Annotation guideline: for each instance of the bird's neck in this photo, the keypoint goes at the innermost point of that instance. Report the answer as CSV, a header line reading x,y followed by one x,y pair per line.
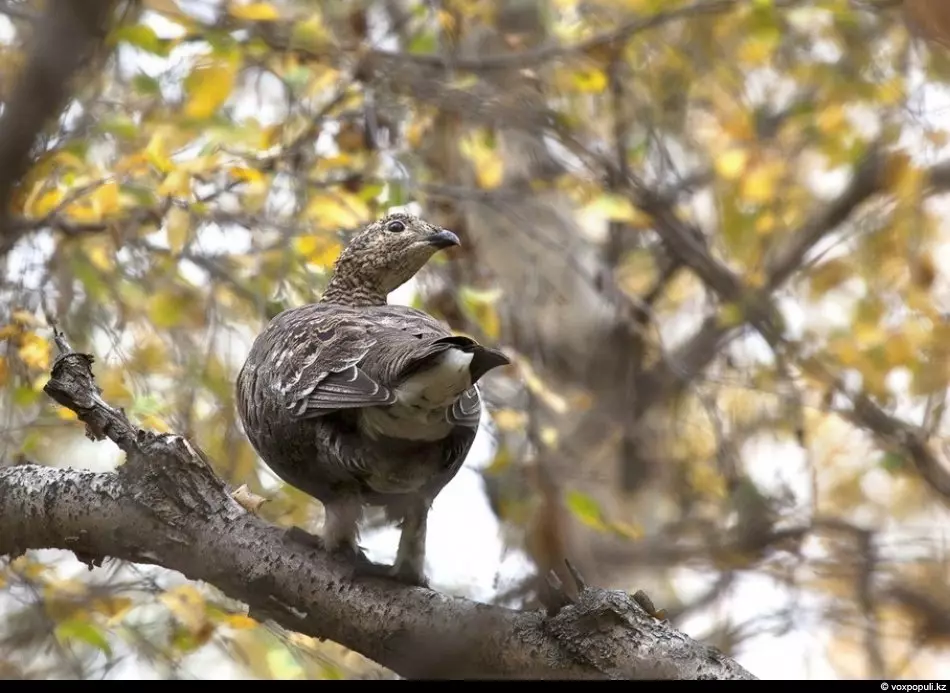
x,y
349,290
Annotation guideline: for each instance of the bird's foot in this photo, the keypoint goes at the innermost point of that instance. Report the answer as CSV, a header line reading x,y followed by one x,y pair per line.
x,y
303,537
363,567
408,575
356,558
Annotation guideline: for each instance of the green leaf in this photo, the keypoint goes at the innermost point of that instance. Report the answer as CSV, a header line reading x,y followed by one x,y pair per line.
x,y
586,509
892,462
25,396
83,631
141,36
119,125
396,194
283,666
144,84
423,43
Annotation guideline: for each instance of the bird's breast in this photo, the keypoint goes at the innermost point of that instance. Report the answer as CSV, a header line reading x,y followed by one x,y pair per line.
x,y
422,401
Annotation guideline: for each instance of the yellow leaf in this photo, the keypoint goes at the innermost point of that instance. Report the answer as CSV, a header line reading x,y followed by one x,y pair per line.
x,y
178,228
891,92
705,479
177,184
829,275
904,178
156,153
627,530
489,167
105,199
24,317
730,315
35,351
240,622
590,81
336,211
309,34
831,119
43,204
618,208
638,271
248,175
209,86
318,250
480,305
255,12
283,666
114,608
4,371
201,164
100,256
155,423
69,160
509,419
187,606
175,307
758,185
66,414
732,164
898,350
82,212
758,50
552,399
113,386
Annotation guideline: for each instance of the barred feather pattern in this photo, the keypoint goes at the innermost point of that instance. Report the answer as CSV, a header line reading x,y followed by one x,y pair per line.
x,y
312,370
356,402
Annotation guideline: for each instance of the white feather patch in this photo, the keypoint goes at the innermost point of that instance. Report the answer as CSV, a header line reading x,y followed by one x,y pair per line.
x,y
421,401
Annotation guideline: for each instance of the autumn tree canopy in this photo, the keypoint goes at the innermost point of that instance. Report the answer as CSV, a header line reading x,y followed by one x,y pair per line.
x,y
709,234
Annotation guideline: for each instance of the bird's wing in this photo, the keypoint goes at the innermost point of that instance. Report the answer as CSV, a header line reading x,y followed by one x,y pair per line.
x,y
315,358
326,358
329,358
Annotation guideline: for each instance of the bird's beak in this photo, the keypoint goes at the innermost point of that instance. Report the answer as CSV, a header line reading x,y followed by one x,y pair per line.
x,y
443,239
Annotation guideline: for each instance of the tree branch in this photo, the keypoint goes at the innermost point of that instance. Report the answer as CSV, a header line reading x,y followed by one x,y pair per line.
x,y
165,506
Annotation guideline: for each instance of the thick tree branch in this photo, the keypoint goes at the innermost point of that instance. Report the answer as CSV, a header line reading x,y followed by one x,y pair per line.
x,y
64,38
165,506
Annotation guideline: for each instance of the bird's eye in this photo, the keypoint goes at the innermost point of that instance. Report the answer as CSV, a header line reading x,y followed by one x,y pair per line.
x,y
395,227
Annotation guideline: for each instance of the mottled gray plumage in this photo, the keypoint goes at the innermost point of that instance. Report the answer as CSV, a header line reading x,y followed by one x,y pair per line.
x,y
357,402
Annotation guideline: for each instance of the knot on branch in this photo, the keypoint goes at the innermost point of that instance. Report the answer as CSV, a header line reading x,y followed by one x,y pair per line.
x,y
166,472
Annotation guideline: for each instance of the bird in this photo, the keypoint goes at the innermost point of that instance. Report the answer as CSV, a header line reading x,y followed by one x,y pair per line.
x,y
359,403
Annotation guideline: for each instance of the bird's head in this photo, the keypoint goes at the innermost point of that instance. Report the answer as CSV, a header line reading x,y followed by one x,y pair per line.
x,y
386,254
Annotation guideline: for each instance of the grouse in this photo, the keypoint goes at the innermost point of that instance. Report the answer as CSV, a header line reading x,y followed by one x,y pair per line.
x,y
356,402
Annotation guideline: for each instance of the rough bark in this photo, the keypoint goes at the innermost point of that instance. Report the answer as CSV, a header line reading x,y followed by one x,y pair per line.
x,y
165,506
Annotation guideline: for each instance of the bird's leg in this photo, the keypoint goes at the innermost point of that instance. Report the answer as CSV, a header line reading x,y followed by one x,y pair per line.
x,y
410,557
341,534
341,529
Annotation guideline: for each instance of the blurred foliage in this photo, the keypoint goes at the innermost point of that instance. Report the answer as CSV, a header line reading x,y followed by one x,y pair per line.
x,y
209,170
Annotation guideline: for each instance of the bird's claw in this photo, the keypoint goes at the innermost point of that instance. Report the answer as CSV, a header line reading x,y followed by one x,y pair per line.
x,y
362,566
408,576
303,537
